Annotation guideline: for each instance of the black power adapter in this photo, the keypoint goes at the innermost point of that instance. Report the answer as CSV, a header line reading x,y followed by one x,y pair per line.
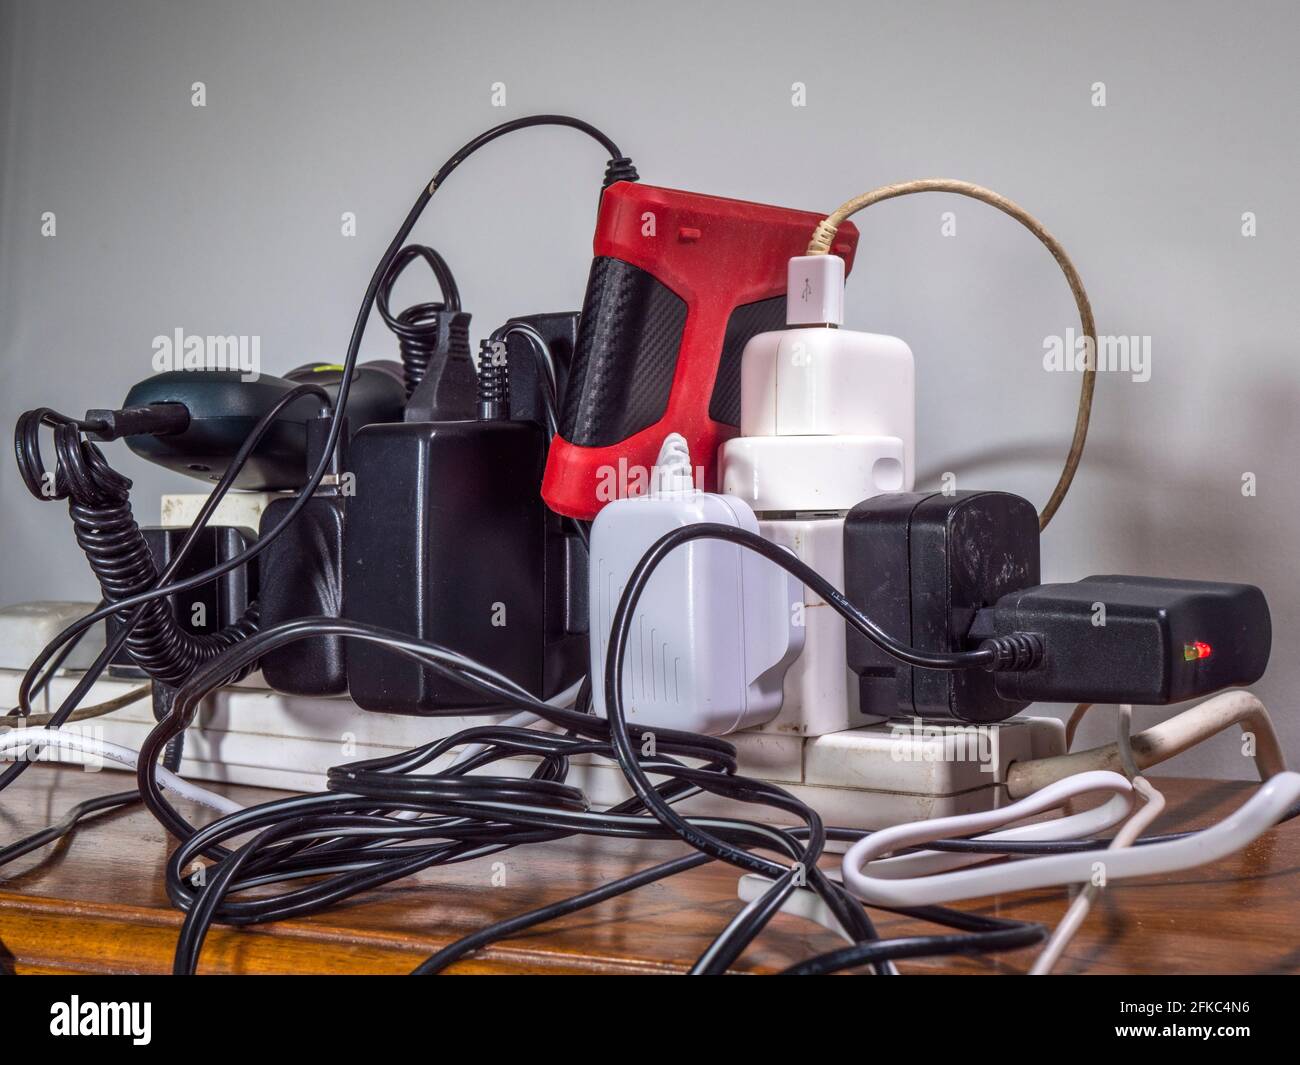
x,y
302,571
556,336
1146,640
447,539
943,572
407,502
922,566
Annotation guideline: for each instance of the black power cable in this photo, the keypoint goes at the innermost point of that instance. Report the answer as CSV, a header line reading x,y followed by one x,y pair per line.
x,y
453,952
69,821
1016,651
1013,938
349,840
308,836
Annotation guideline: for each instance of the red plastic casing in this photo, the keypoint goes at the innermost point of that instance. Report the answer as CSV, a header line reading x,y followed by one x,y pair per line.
x,y
716,254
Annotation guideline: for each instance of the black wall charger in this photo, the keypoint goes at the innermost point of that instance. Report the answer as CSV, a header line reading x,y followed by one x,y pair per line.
x,y
944,572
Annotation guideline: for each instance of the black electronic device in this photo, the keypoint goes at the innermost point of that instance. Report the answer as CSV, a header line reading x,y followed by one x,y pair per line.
x,y
223,407
946,571
1124,639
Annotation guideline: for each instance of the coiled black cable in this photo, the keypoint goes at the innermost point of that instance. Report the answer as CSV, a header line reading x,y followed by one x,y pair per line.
x,y
99,503
420,327
493,381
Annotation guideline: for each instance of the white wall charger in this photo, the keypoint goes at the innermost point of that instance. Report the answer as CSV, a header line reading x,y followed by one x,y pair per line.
x,y
716,627
827,419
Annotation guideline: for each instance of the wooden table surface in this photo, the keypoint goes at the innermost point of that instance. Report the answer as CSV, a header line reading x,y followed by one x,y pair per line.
x,y
95,903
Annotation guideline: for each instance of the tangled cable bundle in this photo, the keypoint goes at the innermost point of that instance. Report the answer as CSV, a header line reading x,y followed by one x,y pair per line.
x,y
389,817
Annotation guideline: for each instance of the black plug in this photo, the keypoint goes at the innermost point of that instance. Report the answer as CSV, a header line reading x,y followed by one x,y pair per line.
x,y
148,419
922,565
960,571
1145,640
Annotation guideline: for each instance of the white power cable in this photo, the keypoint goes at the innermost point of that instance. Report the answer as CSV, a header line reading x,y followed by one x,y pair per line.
x,y
812,907
1153,806
56,742
1076,826
1082,904
1161,742
1253,818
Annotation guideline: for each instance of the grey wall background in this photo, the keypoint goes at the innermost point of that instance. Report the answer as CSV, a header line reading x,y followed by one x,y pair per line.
x,y
226,219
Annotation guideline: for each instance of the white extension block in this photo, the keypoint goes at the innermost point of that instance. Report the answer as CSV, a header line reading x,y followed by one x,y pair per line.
x,y
864,778
243,510
821,693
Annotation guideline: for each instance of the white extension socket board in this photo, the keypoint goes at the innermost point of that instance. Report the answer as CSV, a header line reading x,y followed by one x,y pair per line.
x,y
869,776
820,692
862,778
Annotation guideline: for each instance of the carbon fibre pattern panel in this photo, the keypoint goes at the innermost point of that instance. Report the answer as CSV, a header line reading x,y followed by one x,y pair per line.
x,y
745,323
628,338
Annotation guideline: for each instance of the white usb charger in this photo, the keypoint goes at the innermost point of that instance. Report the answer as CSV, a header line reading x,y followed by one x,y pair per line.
x,y
716,627
827,419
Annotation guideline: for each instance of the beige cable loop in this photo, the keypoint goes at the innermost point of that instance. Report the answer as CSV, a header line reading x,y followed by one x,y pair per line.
x,y
1161,742
82,713
1076,719
824,235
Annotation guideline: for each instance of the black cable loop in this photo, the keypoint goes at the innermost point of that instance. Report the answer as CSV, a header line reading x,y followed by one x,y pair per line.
x,y
27,449
419,326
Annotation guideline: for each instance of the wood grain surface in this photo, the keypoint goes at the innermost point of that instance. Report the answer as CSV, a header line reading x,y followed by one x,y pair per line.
x,y
95,903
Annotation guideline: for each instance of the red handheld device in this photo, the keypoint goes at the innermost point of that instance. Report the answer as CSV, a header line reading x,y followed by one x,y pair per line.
x,y
679,284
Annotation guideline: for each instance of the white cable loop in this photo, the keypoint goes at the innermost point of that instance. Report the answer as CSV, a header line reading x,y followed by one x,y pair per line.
x,y
1242,826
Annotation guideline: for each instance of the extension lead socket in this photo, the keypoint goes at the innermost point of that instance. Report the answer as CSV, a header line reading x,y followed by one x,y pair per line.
x,y
827,419
865,778
716,626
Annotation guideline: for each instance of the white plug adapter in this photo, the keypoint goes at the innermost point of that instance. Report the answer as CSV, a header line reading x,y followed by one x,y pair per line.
x,y
716,626
814,290
827,419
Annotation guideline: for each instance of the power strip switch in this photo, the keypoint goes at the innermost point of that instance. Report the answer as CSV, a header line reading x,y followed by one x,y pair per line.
x,y
716,627
827,419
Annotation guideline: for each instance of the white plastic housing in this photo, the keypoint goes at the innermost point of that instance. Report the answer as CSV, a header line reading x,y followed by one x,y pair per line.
x,y
821,693
814,474
715,629
858,779
827,419
835,410
815,290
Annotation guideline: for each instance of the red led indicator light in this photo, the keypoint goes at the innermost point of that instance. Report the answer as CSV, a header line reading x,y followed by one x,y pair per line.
x,y
1193,652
